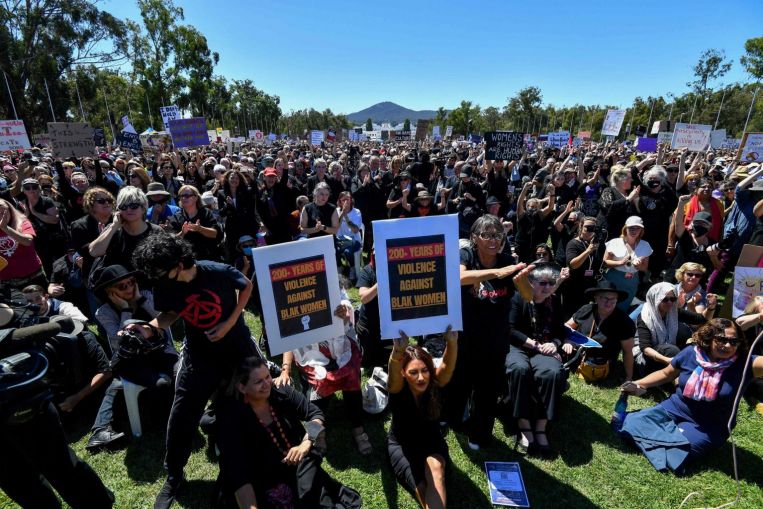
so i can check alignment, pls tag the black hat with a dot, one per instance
(110, 275)
(405, 174)
(492, 200)
(703, 216)
(541, 175)
(606, 286)
(466, 171)
(423, 195)
(157, 189)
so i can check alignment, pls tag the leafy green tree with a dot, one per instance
(752, 60)
(369, 125)
(407, 125)
(441, 116)
(712, 65)
(523, 107)
(491, 118)
(464, 118)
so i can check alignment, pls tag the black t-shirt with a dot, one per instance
(369, 312)
(122, 245)
(688, 251)
(586, 273)
(486, 307)
(323, 213)
(204, 248)
(84, 231)
(615, 328)
(205, 302)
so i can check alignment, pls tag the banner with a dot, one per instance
(503, 145)
(646, 144)
(125, 121)
(558, 139)
(613, 122)
(695, 137)
(71, 139)
(475, 138)
(169, 113)
(299, 290)
(131, 141)
(732, 144)
(189, 132)
(664, 138)
(272, 137)
(402, 135)
(448, 131)
(316, 137)
(422, 129)
(13, 135)
(717, 138)
(418, 275)
(751, 148)
(99, 137)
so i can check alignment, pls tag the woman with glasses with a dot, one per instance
(691, 296)
(486, 292)
(693, 243)
(661, 329)
(400, 199)
(583, 257)
(129, 226)
(534, 363)
(694, 420)
(43, 214)
(626, 257)
(656, 202)
(138, 177)
(197, 225)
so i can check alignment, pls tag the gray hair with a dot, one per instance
(132, 194)
(319, 162)
(547, 271)
(656, 171)
(319, 187)
(334, 166)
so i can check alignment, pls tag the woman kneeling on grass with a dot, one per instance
(417, 450)
(694, 420)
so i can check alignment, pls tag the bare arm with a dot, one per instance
(246, 498)
(367, 294)
(666, 374)
(448, 364)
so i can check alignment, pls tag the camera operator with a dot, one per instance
(36, 457)
(584, 256)
(48, 306)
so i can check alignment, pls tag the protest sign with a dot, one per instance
(299, 290)
(224, 134)
(436, 130)
(131, 141)
(664, 138)
(13, 135)
(169, 113)
(613, 122)
(751, 148)
(41, 139)
(189, 132)
(748, 283)
(558, 139)
(402, 135)
(422, 129)
(576, 142)
(418, 275)
(272, 137)
(316, 137)
(71, 139)
(99, 137)
(732, 143)
(125, 121)
(505, 484)
(448, 131)
(717, 138)
(331, 135)
(695, 137)
(475, 138)
(584, 135)
(646, 144)
(503, 145)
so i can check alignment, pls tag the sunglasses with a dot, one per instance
(672, 170)
(131, 206)
(187, 195)
(722, 340)
(124, 285)
(693, 274)
(31, 187)
(670, 299)
(102, 201)
(589, 228)
(547, 283)
(491, 236)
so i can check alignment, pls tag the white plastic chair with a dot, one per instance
(131, 392)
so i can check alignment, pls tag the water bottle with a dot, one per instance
(618, 416)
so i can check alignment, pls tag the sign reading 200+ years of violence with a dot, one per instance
(418, 275)
(299, 289)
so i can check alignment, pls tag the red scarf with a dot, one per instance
(715, 210)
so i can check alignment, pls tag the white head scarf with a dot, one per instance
(664, 330)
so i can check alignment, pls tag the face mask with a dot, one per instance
(532, 212)
(699, 230)
(248, 251)
(653, 184)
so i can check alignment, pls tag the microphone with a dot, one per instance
(36, 332)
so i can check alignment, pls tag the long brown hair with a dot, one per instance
(431, 395)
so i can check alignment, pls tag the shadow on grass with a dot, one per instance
(144, 457)
(750, 464)
(197, 494)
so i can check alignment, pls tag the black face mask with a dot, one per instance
(532, 212)
(699, 229)
(653, 184)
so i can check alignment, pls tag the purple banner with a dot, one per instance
(189, 132)
(646, 144)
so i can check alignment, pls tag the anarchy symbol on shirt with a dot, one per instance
(200, 313)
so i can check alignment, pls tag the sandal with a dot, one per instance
(521, 448)
(543, 449)
(364, 444)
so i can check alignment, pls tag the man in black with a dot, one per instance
(210, 298)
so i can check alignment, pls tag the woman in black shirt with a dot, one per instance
(197, 225)
(319, 217)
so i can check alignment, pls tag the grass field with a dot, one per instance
(592, 468)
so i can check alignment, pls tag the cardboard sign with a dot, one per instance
(13, 135)
(316, 137)
(435, 131)
(71, 139)
(732, 144)
(402, 135)
(169, 113)
(584, 135)
(131, 141)
(646, 144)
(503, 145)
(41, 139)
(448, 131)
(99, 137)
(613, 122)
(664, 138)
(717, 138)
(422, 129)
(418, 275)
(299, 289)
(751, 148)
(505, 484)
(189, 132)
(695, 137)
(558, 139)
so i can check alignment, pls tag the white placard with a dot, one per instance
(695, 137)
(751, 148)
(13, 135)
(299, 290)
(613, 122)
(717, 138)
(448, 131)
(664, 138)
(436, 131)
(316, 137)
(418, 274)
(169, 113)
(748, 283)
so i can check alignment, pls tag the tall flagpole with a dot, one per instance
(649, 122)
(108, 115)
(718, 116)
(50, 102)
(691, 119)
(79, 99)
(749, 112)
(13, 104)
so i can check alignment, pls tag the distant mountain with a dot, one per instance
(389, 112)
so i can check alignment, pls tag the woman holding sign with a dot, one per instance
(417, 450)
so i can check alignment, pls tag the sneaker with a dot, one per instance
(473, 447)
(102, 438)
(167, 494)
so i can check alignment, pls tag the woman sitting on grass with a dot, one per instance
(694, 420)
(417, 450)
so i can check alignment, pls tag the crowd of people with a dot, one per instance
(154, 250)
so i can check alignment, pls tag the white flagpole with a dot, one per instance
(13, 104)
(79, 99)
(108, 115)
(50, 102)
(691, 119)
(718, 116)
(649, 122)
(749, 112)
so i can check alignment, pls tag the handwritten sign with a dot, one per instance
(748, 283)
(448, 131)
(422, 128)
(189, 132)
(695, 137)
(299, 290)
(613, 122)
(402, 135)
(130, 141)
(169, 113)
(503, 145)
(316, 137)
(13, 135)
(71, 139)
(419, 285)
(665, 137)
(751, 148)
(558, 139)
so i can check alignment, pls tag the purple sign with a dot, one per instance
(646, 144)
(189, 132)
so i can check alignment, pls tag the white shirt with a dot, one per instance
(344, 229)
(620, 251)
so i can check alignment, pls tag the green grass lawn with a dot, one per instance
(592, 469)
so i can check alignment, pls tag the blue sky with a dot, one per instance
(420, 54)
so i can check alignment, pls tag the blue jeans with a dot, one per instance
(106, 410)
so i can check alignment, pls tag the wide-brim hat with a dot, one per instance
(423, 195)
(110, 275)
(156, 189)
(68, 324)
(606, 286)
